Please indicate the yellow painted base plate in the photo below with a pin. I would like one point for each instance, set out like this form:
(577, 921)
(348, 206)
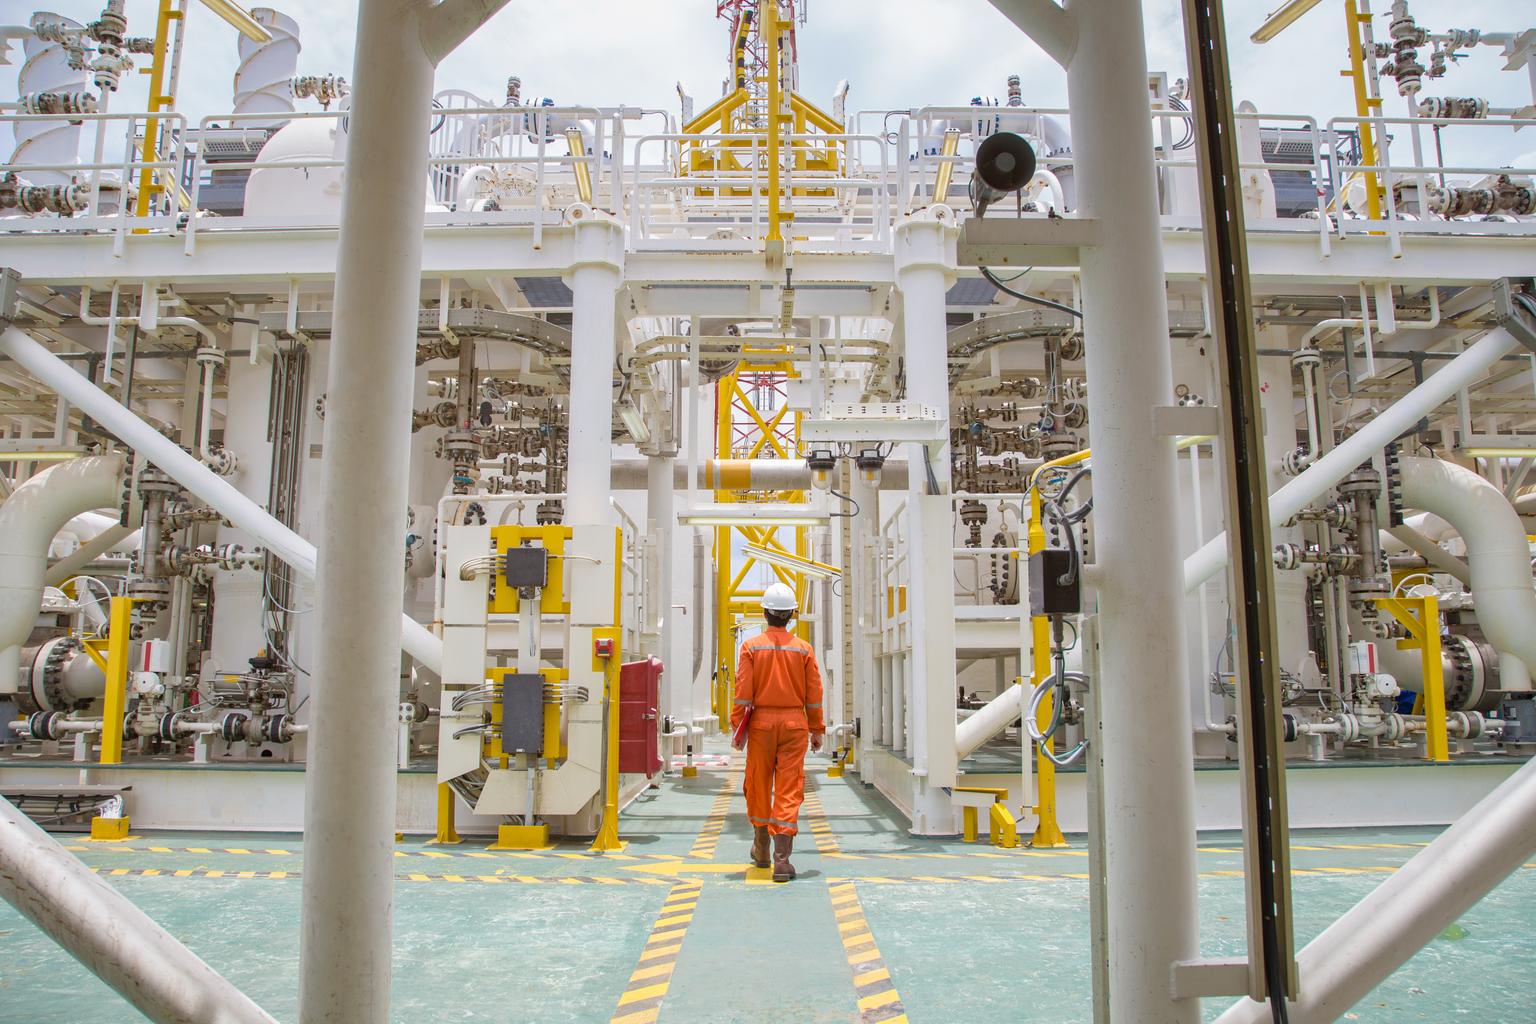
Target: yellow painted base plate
(690, 771)
(522, 837)
(835, 772)
(109, 830)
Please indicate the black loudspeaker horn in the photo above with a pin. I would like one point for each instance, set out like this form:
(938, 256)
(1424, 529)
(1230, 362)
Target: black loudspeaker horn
(1005, 163)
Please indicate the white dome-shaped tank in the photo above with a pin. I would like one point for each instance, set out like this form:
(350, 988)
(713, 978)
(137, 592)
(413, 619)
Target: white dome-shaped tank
(275, 190)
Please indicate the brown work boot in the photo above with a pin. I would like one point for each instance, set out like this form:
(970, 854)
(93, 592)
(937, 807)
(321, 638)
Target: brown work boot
(783, 846)
(760, 846)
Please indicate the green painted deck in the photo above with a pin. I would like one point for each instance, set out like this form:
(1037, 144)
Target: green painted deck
(878, 924)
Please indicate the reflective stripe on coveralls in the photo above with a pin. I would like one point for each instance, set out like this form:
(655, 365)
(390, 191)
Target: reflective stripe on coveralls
(778, 679)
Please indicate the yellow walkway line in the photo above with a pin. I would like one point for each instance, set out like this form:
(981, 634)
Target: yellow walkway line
(640, 1003)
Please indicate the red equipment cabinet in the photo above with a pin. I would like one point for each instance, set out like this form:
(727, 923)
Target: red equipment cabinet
(639, 699)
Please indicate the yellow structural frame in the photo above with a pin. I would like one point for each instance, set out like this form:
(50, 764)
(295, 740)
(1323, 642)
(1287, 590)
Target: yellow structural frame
(115, 700)
(733, 598)
(731, 115)
(1420, 616)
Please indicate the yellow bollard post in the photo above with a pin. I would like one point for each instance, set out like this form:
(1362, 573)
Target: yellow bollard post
(447, 831)
(607, 839)
(1047, 830)
(119, 636)
(1437, 742)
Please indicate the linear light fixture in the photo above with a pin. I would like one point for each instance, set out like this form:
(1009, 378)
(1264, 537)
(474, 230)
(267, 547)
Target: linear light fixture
(634, 422)
(793, 562)
(1282, 19)
(240, 19)
(579, 167)
(744, 514)
(41, 456)
(1499, 453)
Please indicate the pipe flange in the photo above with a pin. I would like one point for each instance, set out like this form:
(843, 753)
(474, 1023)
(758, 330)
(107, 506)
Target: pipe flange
(1364, 479)
(44, 725)
(232, 726)
(550, 513)
(154, 590)
(275, 729)
(153, 480)
(57, 654)
(167, 726)
(1459, 684)
(1306, 357)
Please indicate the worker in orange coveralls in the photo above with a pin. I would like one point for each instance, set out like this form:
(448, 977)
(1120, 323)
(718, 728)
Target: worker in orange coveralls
(778, 685)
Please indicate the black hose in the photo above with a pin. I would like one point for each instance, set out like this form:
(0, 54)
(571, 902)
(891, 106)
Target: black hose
(1037, 300)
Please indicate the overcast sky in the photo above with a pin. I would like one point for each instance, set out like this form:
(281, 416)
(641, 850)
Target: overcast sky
(895, 53)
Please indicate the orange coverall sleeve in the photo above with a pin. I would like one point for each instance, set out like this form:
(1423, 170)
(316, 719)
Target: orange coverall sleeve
(813, 695)
(744, 689)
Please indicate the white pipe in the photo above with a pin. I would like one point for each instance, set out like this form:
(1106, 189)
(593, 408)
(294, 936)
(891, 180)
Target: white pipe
(1435, 887)
(1148, 788)
(345, 966)
(1498, 555)
(105, 541)
(1461, 372)
(245, 514)
(925, 252)
(989, 720)
(114, 939)
(594, 282)
(30, 518)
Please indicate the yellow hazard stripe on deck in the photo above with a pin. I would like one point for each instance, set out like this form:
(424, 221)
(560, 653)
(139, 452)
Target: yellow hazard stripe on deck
(714, 823)
(821, 828)
(641, 1000)
(874, 990)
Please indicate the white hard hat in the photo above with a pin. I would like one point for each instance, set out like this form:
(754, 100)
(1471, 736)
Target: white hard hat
(779, 598)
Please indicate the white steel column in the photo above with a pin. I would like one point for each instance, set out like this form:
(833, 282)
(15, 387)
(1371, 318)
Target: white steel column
(925, 267)
(1149, 786)
(866, 678)
(660, 509)
(349, 809)
(594, 283)
(1149, 835)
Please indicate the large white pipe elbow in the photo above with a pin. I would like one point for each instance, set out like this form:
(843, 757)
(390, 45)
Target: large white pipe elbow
(30, 518)
(1498, 554)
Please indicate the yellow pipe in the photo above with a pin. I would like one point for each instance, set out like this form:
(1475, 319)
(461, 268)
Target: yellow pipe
(119, 636)
(1087, 453)
(607, 838)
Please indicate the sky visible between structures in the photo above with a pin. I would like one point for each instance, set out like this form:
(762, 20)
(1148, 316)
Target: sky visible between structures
(897, 54)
